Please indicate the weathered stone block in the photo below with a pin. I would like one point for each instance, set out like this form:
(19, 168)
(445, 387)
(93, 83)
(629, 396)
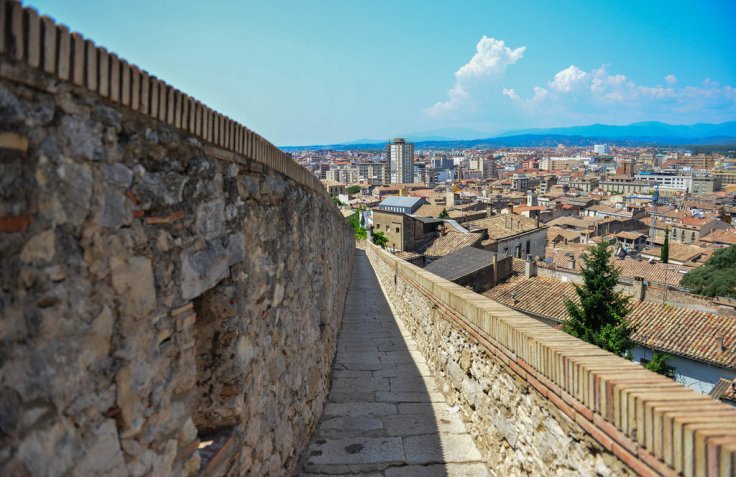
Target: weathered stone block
(115, 210)
(203, 269)
(83, 136)
(132, 279)
(104, 457)
(209, 219)
(117, 174)
(235, 248)
(66, 190)
(41, 248)
(50, 451)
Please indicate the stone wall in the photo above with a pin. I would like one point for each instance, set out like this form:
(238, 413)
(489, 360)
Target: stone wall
(169, 303)
(540, 402)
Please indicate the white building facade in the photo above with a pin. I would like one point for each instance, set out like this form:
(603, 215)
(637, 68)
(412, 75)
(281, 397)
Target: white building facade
(400, 159)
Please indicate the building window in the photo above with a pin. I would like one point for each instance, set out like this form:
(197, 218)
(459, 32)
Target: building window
(397, 230)
(528, 247)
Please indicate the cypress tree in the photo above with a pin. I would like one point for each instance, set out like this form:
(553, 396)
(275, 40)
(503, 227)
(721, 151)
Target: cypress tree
(664, 254)
(600, 318)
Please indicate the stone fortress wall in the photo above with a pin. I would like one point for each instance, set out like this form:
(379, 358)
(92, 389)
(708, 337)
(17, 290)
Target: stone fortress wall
(540, 402)
(171, 284)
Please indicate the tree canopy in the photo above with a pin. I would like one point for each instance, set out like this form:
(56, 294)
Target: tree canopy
(659, 365)
(354, 189)
(356, 221)
(600, 317)
(716, 277)
(444, 214)
(380, 239)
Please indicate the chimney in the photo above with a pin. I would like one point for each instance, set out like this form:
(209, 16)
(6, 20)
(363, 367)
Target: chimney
(494, 264)
(639, 289)
(511, 207)
(570, 261)
(530, 267)
(536, 223)
(489, 210)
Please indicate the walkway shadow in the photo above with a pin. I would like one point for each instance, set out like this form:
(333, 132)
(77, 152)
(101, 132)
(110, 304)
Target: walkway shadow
(384, 414)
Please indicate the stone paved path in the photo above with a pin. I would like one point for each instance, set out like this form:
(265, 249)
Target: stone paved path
(384, 415)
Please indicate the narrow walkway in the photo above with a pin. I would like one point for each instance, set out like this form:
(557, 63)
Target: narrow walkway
(384, 415)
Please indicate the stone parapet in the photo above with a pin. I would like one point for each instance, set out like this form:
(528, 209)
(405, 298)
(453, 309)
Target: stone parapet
(539, 401)
(171, 285)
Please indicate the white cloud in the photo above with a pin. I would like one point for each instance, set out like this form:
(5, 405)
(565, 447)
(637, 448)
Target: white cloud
(597, 95)
(491, 59)
(539, 93)
(510, 92)
(568, 79)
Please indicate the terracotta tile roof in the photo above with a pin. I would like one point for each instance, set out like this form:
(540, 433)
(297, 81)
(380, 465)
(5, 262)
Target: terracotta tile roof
(428, 210)
(605, 209)
(572, 222)
(630, 235)
(503, 225)
(685, 332)
(554, 232)
(422, 193)
(726, 236)
(680, 251)
(630, 268)
(695, 222)
(657, 294)
(518, 266)
(524, 208)
(407, 255)
(449, 243)
(724, 389)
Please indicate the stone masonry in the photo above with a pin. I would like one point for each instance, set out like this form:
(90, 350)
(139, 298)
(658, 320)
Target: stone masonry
(155, 290)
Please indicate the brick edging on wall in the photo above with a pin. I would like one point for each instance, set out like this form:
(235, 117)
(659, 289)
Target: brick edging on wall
(51, 48)
(652, 424)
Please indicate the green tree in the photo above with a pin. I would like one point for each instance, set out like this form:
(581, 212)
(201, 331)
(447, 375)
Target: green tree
(716, 277)
(664, 254)
(353, 189)
(659, 365)
(600, 318)
(444, 214)
(356, 221)
(337, 201)
(380, 239)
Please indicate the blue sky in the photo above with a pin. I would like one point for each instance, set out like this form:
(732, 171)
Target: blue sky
(323, 71)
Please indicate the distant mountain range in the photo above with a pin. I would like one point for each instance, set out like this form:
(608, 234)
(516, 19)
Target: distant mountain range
(650, 133)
